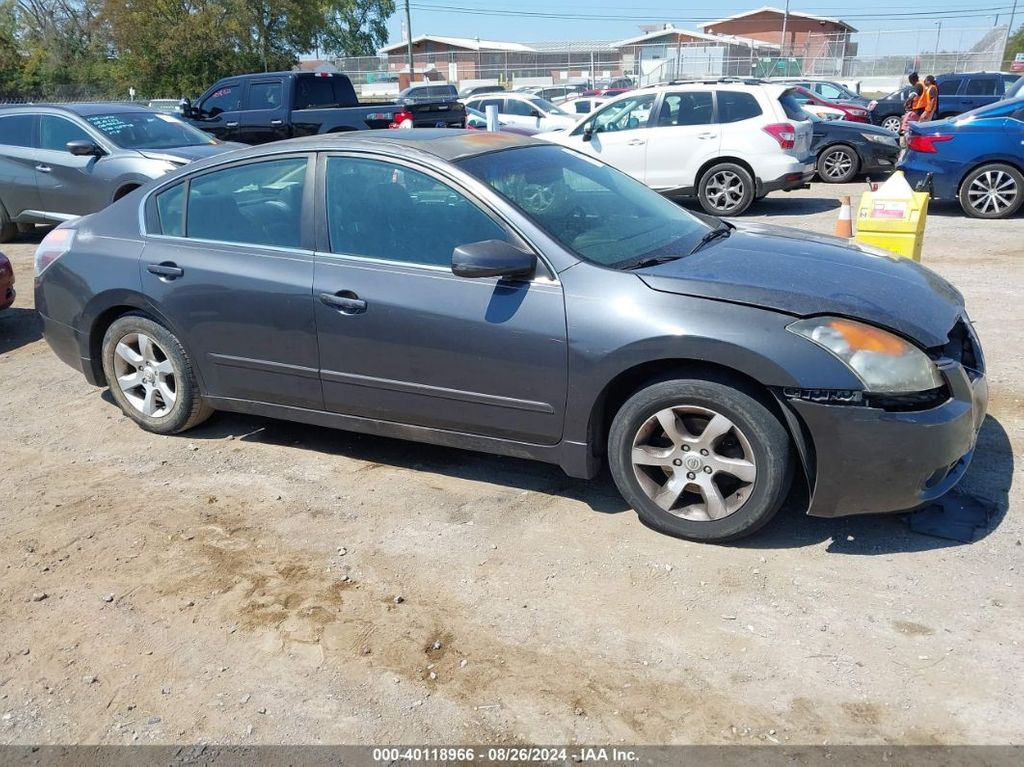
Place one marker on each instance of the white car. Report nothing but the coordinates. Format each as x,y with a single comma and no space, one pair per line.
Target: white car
725,142
525,110
586,104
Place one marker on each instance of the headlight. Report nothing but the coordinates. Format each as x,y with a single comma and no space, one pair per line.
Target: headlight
874,137
884,362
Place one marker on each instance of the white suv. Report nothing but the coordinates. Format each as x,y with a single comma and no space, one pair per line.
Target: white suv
524,110
727,142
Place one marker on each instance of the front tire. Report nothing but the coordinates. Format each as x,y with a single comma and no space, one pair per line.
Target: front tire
151,377
992,191
699,459
726,190
8,229
893,123
838,164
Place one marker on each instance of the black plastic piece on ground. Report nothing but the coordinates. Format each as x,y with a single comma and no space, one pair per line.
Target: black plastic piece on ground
955,516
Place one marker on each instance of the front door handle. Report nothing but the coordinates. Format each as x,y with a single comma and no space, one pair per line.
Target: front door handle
707,135
276,122
344,301
43,168
636,142
166,271
232,124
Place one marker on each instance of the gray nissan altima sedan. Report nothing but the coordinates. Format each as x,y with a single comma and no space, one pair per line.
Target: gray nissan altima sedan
496,293
58,162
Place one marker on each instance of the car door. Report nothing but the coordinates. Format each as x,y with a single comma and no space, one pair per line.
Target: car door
618,134
402,338
494,101
69,185
522,112
264,118
218,112
979,91
229,262
685,135
950,100
18,161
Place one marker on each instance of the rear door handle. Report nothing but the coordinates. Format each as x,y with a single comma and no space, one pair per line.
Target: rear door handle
276,122
344,301
232,124
636,142
43,168
166,270
707,135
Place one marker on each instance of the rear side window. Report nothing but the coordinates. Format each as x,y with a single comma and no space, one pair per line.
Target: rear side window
948,87
315,93
56,132
483,104
981,86
791,106
689,108
170,211
734,106
265,95
259,203
16,130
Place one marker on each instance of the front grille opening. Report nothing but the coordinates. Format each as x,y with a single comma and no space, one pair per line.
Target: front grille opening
962,347
903,403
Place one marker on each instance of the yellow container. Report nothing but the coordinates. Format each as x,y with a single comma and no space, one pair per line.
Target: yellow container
893,217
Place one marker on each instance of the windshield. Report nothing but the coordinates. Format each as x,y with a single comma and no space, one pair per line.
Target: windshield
547,106
599,213
148,130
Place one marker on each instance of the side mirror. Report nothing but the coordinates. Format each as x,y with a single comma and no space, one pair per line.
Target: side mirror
85,149
588,132
492,258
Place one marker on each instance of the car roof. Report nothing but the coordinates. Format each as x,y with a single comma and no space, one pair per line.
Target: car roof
82,109
444,143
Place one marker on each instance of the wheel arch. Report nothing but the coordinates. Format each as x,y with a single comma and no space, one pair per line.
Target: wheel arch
1015,163
723,160
125,189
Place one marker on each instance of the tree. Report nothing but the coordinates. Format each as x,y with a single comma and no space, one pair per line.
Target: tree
355,27
1015,44
11,61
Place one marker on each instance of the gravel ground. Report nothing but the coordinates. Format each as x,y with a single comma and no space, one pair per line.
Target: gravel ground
255,581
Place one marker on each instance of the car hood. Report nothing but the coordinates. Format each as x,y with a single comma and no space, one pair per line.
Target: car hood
805,274
186,154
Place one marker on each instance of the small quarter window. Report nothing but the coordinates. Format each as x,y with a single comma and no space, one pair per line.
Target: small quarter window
169,210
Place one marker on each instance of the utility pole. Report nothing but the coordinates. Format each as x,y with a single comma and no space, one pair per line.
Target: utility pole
1012,14
935,56
408,39
785,23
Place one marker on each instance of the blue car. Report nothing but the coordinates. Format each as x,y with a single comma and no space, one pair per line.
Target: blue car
977,158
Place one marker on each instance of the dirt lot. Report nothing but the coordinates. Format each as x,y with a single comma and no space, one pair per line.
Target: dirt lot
240,583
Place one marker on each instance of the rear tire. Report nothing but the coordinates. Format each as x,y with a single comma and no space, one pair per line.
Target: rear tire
838,164
151,376
700,459
992,191
726,189
892,123
8,229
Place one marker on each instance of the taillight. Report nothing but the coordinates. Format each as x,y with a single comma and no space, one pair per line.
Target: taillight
925,144
784,133
401,119
54,245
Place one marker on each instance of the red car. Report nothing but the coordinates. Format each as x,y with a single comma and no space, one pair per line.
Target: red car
607,92
854,114
6,282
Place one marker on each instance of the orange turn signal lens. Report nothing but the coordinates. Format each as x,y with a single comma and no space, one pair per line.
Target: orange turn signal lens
868,339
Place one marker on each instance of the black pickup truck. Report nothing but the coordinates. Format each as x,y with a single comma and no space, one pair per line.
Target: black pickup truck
269,106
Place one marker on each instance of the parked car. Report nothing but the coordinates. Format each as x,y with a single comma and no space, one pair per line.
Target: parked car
959,93
428,93
524,109
823,112
270,106
7,294
170,106
852,113
552,308
888,112
1017,89
606,92
476,90
58,162
831,91
585,104
725,143
844,150
976,158
477,120
558,94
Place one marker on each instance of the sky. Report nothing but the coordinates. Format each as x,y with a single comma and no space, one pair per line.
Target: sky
544,20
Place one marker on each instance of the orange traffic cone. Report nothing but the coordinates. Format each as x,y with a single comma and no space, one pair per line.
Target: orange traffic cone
844,226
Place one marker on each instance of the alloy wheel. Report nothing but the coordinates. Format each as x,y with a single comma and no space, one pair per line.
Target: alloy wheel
145,375
724,190
837,164
694,463
992,192
892,123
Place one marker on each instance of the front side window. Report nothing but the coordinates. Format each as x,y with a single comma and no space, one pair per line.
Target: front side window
380,210
687,108
948,87
255,204
598,212
56,132
628,114
227,98
829,92
520,108
265,95
16,130
148,130
735,106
